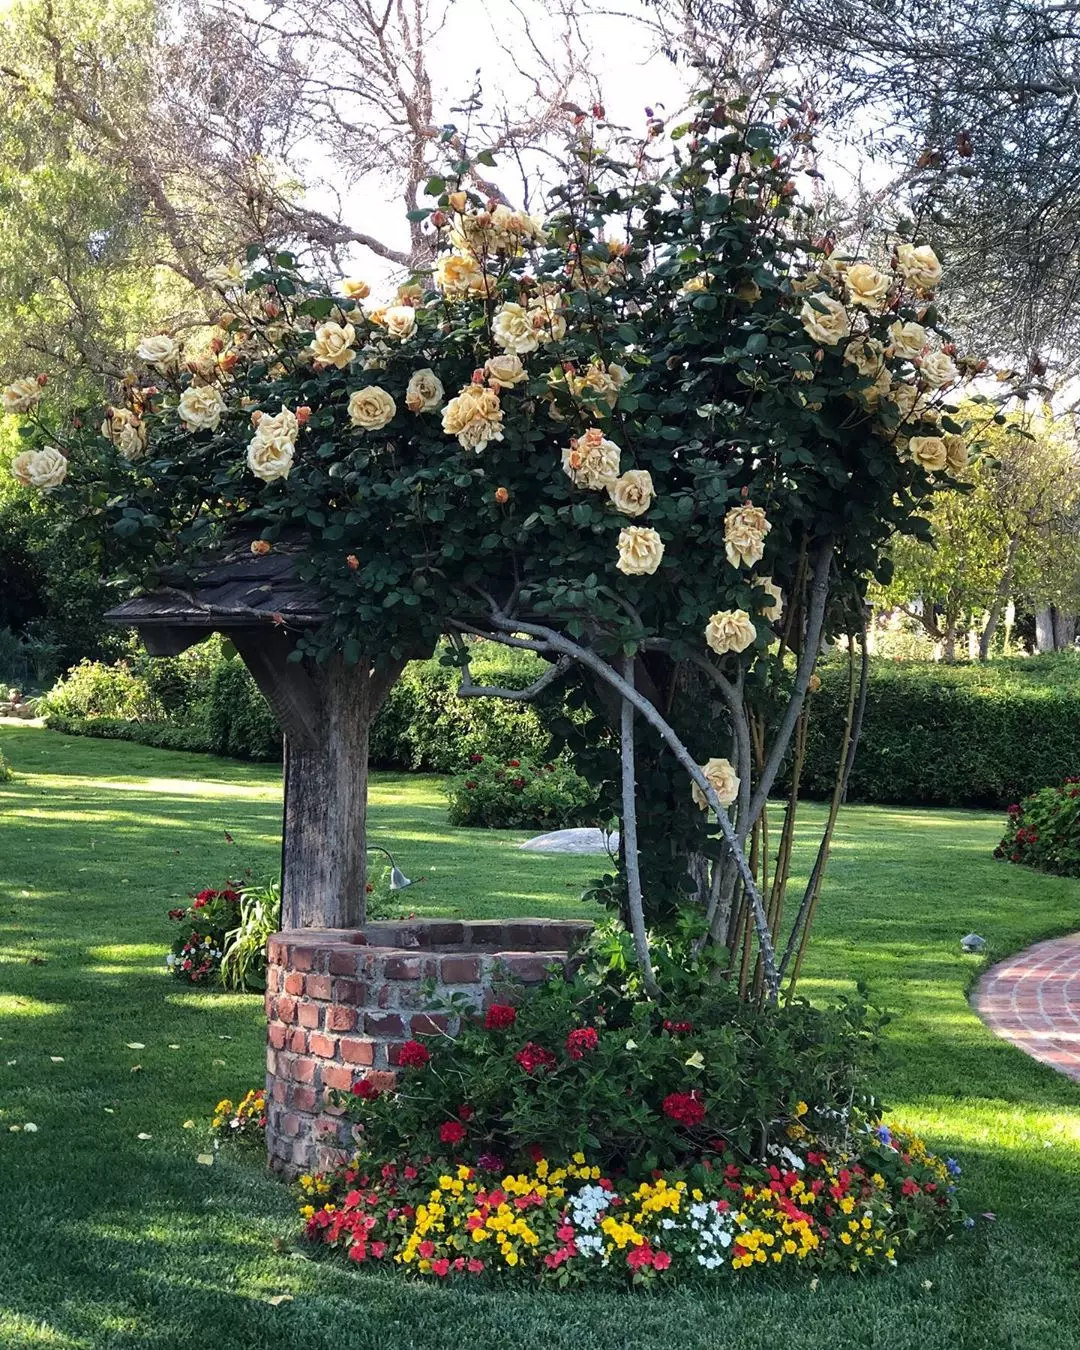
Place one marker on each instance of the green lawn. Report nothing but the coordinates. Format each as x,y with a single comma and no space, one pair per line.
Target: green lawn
108,1240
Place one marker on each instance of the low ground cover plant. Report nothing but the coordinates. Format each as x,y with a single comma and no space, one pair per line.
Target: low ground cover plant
519,793
1043,831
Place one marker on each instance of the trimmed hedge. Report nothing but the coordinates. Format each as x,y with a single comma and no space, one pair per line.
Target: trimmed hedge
967,735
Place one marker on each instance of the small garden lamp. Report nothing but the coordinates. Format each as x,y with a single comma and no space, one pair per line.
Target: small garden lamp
398,879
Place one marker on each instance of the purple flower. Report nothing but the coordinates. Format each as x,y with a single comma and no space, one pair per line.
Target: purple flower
953,1167
489,1162
885,1135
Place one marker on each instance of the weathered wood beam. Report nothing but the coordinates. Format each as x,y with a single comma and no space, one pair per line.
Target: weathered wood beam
286,685
170,639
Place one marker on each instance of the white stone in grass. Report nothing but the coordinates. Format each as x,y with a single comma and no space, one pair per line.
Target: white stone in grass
574,841
973,943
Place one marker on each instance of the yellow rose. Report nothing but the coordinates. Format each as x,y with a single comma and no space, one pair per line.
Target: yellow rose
282,426
775,606
825,320
723,780
592,461
354,289
730,630
425,392
956,454
458,275
200,407
929,452
332,345
745,528
160,351
269,458
21,395
906,339
459,201
866,285
505,371
632,494
126,431
371,408
918,266
474,417
400,322
640,551
881,387
906,398
866,354
226,276
46,469
512,329
749,292
938,370
695,284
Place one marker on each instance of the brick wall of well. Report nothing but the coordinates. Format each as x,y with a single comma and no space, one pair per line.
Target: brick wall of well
340,1003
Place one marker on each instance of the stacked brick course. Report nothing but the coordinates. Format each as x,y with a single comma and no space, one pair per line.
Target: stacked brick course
340,1003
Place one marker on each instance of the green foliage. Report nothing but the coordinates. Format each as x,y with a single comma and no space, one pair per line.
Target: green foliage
1043,830
93,689
647,1084
243,962
6,774
238,719
518,793
975,735
205,924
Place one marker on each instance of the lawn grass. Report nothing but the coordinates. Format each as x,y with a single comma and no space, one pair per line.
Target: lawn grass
107,1240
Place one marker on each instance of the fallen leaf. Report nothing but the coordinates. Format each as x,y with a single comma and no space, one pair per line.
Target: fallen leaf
696,1060
928,1285
30,1127
136,1045
11,1062
217,1061
207,1159
57,1059
136,1068
144,1136
109,1111
224,1038
15,1129
279,1299
174,1047
189,1124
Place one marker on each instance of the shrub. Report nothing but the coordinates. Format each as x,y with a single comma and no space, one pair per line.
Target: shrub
587,1063
238,719
518,793
5,770
198,950
969,735
243,962
1043,831
93,689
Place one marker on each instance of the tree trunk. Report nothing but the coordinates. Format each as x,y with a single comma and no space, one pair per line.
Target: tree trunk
997,606
948,640
1064,629
1044,629
324,839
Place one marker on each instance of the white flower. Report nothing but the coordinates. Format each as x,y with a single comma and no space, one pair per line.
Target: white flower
458,275
512,328
126,431
42,469
400,321
200,407
504,372
775,606
640,551
371,408
906,339
160,351
226,276
333,345
825,320
21,395
722,779
730,630
632,494
281,426
918,266
425,392
866,285
938,370
474,417
956,452
865,354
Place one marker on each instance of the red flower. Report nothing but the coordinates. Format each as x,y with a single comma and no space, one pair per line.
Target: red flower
465,1112
426,1250
499,1017
909,1186
441,1267
177,913
661,1261
475,1266
532,1057
678,1028
685,1108
413,1055
452,1132
378,1250
366,1088
639,1257
580,1040
514,763
476,759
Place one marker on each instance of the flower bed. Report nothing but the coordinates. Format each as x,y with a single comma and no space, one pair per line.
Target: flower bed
205,923
518,793
569,1222
1043,831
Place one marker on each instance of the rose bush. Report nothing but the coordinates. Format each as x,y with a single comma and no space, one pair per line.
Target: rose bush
517,793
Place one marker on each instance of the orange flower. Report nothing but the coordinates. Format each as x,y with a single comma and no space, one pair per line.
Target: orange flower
502,496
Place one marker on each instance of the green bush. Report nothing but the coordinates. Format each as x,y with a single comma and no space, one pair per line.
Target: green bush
160,735
1043,830
93,689
968,735
518,793
238,719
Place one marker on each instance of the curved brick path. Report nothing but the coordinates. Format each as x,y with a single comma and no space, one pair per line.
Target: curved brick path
1033,1000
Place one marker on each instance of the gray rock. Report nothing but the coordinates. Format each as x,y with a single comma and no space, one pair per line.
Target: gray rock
973,943
574,841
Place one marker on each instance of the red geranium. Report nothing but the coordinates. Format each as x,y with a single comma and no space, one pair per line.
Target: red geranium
452,1132
684,1107
500,1016
366,1089
414,1055
678,1028
532,1057
580,1040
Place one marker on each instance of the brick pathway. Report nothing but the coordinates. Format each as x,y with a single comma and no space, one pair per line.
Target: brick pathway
1033,1000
